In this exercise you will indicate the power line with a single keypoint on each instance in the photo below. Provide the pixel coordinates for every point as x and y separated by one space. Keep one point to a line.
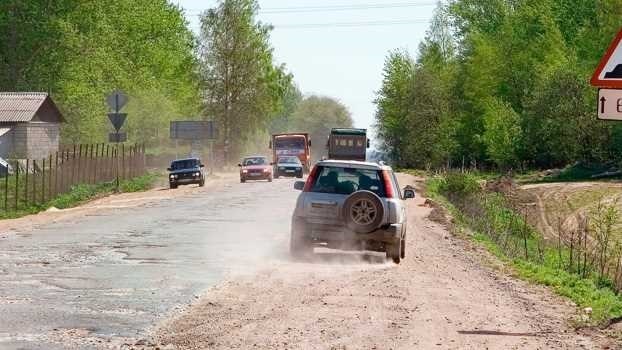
352 24
344 7
347 24
335 8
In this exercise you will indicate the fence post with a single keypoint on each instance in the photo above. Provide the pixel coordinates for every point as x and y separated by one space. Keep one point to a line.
73 167
6 190
123 160
16 182
116 161
26 183
50 177
56 174
91 167
34 181
64 174
95 165
43 183
107 163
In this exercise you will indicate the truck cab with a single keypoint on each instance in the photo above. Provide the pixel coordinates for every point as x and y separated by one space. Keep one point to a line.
292 144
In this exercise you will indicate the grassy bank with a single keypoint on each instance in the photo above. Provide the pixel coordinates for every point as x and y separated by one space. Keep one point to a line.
492 221
83 193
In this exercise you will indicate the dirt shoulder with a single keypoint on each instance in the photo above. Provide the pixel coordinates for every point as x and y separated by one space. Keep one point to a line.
111 202
441 297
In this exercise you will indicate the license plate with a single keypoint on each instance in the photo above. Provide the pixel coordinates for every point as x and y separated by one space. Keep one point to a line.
289 171
255 174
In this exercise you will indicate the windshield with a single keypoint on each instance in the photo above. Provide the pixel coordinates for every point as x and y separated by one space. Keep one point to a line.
284 160
340 180
185 164
295 143
255 161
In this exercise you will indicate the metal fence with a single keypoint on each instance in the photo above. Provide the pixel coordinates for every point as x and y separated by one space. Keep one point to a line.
33 182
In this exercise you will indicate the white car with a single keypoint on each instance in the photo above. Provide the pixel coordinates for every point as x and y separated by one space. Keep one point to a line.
350 205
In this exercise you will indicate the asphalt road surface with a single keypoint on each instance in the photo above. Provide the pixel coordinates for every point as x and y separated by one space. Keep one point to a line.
112 273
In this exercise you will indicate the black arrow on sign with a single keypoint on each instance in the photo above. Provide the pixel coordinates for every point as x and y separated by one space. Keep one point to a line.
117 120
602 104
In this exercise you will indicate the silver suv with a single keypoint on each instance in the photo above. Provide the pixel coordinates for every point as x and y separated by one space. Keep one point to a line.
350 205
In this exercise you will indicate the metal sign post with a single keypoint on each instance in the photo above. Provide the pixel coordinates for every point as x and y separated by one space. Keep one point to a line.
116 101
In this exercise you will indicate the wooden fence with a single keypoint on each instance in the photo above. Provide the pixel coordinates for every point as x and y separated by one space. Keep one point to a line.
33 182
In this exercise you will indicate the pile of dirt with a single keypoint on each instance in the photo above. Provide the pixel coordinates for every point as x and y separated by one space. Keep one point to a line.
438 213
504 184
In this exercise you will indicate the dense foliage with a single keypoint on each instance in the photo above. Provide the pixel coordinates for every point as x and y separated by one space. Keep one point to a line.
502 83
79 51
242 87
316 115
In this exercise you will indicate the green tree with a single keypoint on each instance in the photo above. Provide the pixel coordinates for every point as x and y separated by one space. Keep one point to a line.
242 87
502 135
317 115
79 51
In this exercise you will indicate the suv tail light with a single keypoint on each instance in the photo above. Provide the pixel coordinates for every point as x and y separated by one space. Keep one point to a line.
311 179
388 185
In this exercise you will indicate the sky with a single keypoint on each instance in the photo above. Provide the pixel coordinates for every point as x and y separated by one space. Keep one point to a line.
337 48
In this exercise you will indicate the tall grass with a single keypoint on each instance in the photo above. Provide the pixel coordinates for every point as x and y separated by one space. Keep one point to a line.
561 264
82 193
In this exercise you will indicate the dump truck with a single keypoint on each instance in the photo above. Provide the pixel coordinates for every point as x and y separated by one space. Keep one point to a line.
292 144
347 144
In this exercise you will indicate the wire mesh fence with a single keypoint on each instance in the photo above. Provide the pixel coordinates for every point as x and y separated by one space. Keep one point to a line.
33 182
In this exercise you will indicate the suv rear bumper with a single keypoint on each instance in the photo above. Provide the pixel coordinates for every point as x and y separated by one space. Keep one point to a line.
331 233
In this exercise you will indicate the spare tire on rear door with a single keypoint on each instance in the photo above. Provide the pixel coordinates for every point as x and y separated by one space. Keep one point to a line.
363 211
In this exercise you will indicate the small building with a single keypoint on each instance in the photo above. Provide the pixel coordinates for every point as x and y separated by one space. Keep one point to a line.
29 125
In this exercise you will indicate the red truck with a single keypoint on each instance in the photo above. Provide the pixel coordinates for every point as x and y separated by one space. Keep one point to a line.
292 144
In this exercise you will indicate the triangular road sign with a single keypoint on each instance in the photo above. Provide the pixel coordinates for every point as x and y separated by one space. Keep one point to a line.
609 71
117 120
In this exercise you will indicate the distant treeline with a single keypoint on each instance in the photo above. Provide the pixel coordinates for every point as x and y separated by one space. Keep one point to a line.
80 51
502 83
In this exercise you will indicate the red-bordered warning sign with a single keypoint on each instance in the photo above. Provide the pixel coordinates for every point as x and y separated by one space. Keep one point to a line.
609 71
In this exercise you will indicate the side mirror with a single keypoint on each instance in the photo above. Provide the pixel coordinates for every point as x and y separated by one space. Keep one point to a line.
270 145
409 193
169 169
202 165
309 143
272 163
240 165
367 143
299 185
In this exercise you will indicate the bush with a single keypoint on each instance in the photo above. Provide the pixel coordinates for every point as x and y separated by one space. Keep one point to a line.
459 184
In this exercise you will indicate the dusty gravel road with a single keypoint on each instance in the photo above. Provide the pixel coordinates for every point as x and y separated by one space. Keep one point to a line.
440 297
209 269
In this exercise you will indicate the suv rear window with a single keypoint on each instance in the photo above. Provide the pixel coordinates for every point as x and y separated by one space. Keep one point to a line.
339 180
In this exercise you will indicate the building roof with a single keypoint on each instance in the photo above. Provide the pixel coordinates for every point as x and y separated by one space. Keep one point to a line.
23 106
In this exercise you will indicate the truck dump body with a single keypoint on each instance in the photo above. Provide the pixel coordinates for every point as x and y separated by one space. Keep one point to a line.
348 144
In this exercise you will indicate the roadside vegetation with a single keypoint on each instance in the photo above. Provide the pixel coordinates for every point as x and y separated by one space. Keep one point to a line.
83 193
581 262
79 52
501 85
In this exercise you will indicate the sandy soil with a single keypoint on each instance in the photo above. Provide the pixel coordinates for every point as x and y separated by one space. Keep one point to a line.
444 295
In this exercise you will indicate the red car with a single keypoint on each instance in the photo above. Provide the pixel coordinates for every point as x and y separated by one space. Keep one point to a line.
255 168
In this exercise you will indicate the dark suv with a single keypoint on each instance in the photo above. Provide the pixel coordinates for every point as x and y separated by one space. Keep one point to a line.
185 172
